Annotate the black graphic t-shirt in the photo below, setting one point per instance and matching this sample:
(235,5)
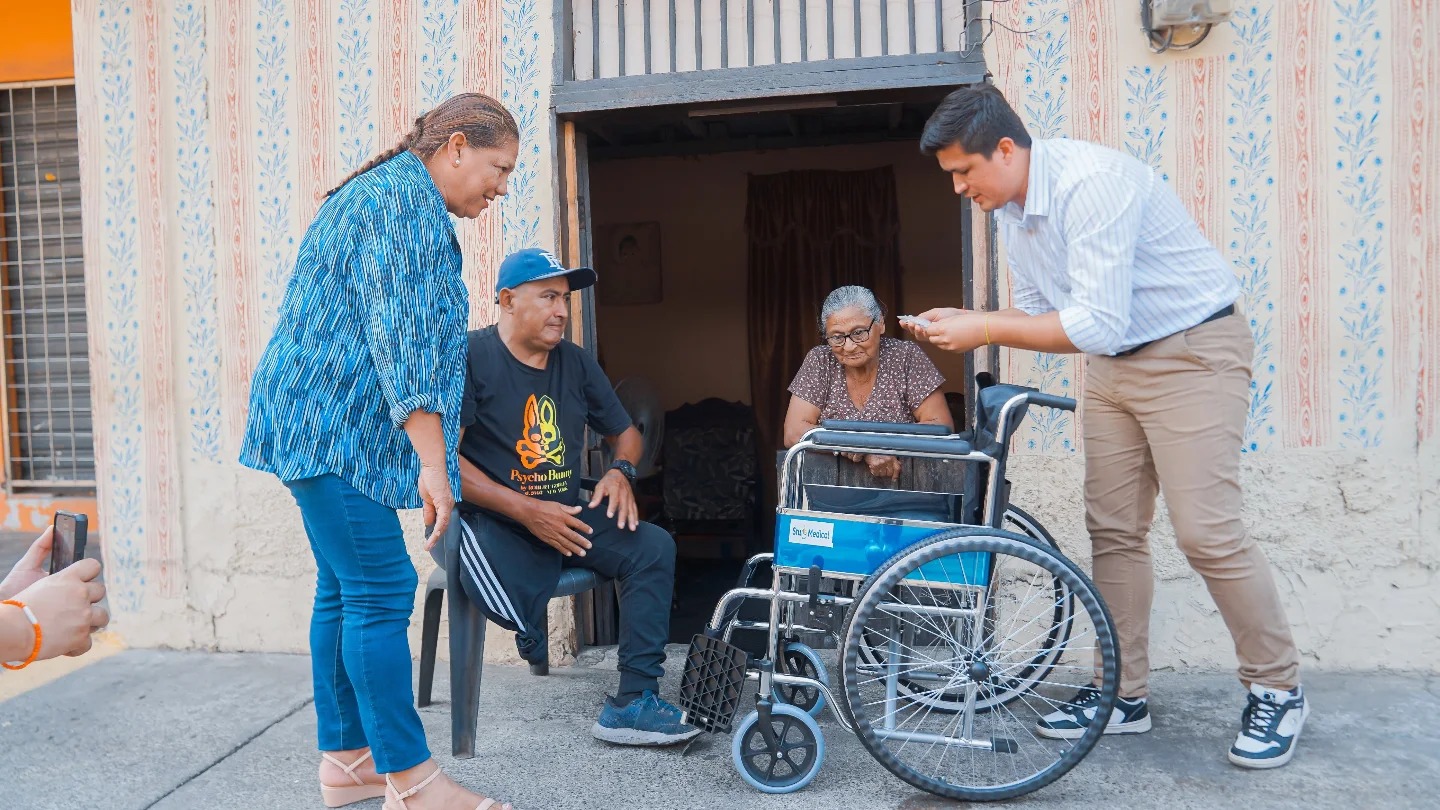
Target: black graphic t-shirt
(525,427)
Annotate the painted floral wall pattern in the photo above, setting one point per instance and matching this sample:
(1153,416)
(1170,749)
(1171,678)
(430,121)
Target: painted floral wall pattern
(1303,136)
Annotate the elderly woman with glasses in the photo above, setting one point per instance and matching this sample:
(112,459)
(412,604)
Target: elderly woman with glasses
(860,374)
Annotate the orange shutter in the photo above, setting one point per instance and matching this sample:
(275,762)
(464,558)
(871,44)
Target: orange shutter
(35,41)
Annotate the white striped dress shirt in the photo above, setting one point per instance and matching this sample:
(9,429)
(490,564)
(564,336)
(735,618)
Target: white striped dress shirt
(1105,242)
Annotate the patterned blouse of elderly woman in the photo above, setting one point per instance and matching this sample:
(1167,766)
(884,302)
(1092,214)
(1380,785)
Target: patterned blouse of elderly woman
(858,373)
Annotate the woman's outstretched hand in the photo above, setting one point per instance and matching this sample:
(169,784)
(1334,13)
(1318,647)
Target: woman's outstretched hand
(439,498)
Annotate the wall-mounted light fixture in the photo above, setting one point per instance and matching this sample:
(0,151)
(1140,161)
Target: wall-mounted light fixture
(1179,25)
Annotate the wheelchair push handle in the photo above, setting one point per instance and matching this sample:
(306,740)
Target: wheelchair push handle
(1050,401)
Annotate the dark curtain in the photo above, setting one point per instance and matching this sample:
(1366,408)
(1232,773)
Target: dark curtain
(810,232)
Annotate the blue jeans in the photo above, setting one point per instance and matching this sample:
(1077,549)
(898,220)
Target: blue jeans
(359,647)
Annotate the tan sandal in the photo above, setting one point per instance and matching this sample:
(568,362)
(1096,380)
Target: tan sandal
(341,795)
(395,800)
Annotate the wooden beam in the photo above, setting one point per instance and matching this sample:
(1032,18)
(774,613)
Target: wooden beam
(570,239)
(770,81)
(564,64)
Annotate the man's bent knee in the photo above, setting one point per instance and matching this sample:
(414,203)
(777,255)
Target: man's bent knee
(654,548)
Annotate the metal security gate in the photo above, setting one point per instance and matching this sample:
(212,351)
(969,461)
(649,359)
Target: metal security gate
(631,37)
(48,436)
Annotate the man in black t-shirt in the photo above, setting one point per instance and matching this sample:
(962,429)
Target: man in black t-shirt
(529,395)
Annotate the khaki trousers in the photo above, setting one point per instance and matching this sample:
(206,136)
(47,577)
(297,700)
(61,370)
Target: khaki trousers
(1171,418)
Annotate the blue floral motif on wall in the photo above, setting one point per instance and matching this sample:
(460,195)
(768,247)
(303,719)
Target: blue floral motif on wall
(353,87)
(1251,185)
(1145,116)
(521,87)
(195,215)
(125,523)
(1047,84)
(1358,105)
(440,59)
(274,189)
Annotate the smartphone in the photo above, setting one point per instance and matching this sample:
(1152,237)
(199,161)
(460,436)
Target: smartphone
(68,544)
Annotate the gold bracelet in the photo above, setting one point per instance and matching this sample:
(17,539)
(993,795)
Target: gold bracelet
(987,329)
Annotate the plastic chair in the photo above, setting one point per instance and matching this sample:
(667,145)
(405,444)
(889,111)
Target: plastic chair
(467,639)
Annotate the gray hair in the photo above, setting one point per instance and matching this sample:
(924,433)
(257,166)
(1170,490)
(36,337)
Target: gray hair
(842,298)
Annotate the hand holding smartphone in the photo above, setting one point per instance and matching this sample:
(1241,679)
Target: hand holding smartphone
(67,544)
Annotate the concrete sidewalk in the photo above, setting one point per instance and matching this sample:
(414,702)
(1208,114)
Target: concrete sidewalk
(193,731)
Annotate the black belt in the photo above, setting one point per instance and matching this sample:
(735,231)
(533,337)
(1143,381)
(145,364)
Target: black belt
(1224,313)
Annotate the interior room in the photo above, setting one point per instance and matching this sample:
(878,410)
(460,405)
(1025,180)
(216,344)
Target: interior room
(731,233)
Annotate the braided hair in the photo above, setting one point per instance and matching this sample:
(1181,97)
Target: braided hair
(484,122)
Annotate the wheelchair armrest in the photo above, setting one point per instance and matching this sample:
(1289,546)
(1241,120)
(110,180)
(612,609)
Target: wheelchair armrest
(884,427)
(839,439)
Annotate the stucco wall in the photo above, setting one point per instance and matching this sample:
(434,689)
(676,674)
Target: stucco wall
(1303,135)
(209,132)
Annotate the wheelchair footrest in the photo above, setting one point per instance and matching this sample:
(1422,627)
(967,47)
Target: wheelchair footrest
(710,689)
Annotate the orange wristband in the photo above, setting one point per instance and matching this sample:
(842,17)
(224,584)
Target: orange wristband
(987,329)
(35,623)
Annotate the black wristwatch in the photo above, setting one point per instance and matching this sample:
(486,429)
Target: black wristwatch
(626,469)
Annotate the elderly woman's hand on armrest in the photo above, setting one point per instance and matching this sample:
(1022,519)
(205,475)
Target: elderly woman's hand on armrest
(883,466)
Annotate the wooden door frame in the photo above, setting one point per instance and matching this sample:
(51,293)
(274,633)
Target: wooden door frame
(574,226)
(594,610)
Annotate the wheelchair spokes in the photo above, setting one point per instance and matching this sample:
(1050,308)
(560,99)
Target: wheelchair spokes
(964,639)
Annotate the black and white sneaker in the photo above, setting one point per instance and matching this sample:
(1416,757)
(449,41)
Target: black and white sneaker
(1269,727)
(1070,723)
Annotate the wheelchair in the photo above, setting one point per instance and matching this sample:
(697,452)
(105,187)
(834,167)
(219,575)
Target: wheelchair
(959,623)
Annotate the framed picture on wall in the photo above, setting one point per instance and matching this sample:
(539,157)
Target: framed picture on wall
(627,258)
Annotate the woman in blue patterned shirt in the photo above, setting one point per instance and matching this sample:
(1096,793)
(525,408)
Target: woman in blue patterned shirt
(355,407)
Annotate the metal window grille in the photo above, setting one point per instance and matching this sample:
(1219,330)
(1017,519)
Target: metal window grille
(49,439)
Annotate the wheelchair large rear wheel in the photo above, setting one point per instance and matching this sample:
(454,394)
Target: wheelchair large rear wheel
(961,612)
(1057,612)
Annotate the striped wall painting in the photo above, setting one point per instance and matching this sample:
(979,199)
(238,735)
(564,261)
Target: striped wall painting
(1304,137)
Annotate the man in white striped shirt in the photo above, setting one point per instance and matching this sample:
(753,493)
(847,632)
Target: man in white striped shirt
(1105,260)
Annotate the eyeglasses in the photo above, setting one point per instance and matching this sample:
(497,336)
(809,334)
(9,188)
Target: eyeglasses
(858,336)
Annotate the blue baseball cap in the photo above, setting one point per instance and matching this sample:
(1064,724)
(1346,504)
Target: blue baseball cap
(534,264)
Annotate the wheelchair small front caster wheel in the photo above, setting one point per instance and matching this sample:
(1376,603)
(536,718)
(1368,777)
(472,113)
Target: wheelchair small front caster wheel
(800,659)
(786,758)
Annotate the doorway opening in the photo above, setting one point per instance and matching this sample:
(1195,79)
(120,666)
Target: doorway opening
(664,198)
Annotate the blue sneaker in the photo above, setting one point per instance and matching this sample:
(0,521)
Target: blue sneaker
(1073,719)
(1269,727)
(647,720)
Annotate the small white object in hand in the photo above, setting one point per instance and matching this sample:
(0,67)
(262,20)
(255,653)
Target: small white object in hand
(915,321)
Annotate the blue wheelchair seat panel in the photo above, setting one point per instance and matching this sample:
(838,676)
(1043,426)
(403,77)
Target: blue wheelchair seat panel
(857,546)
